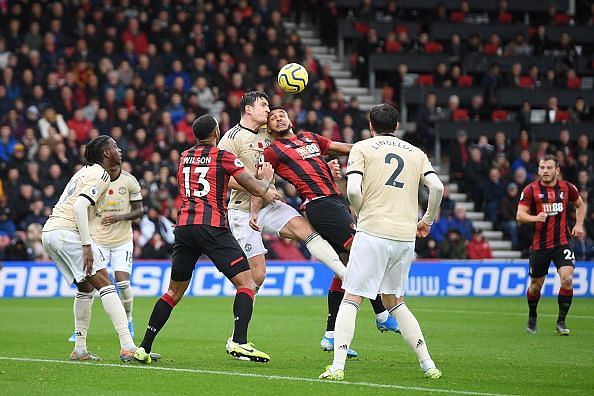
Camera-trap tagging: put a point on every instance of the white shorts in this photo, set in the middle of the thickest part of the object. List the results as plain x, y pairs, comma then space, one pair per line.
378, 265
271, 220
65, 249
117, 258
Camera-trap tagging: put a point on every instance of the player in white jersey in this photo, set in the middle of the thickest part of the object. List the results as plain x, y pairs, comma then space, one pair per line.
247, 140
112, 233
384, 174
66, 237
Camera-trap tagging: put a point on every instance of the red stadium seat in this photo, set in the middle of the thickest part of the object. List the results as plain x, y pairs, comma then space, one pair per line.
433, 48
561, 19
393, 47
465, 81
361, 27
562, 116
490, 49
500, 115
460, 115
505, 18
457, 16
401, 28
526, 82
425, 80
574, 83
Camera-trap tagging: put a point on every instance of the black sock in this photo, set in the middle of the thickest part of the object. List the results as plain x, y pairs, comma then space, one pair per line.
564, 300
378, 305
334, 300
532, 302
242, 309
159, 317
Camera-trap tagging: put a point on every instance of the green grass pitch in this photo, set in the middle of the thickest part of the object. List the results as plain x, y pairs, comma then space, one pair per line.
480, 344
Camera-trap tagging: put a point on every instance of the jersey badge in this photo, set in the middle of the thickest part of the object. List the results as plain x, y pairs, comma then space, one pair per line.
122, 190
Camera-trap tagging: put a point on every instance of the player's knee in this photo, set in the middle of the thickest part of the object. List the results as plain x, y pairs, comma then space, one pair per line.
258, 276
84, 287
297, 228
566, 282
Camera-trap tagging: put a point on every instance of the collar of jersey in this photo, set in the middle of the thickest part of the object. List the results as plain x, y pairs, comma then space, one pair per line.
251, 130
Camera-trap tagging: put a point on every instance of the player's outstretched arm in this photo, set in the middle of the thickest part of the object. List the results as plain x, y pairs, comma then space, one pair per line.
233, 184
254, 186
339, 148
435, 187
354, 193
136, 213
523, 216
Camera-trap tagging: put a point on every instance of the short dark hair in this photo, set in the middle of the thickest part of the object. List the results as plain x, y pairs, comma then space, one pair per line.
384, 118
94, 150
550, 157
204, 126
249, 98
272, 108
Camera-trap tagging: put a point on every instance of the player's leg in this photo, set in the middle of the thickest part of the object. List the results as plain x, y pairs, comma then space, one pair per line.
401, 255
83, 303
250, 242
565, 267
228, 257
121, 261
539, 262
187, 248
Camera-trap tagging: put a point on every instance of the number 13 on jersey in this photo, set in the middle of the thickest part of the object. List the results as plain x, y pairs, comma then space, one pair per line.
202, 181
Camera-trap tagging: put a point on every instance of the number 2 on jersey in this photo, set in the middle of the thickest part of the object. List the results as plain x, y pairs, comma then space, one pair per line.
202, 171
392, 182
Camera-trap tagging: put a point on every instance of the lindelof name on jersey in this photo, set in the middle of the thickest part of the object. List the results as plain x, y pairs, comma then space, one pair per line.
197, 160
390, 142
309, 151
552, 208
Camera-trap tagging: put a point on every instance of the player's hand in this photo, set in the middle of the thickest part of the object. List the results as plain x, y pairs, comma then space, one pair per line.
109, 220
541, 217
254, 222
87, 259
271, 196
266, 172
578, 232
423, 229
335, 169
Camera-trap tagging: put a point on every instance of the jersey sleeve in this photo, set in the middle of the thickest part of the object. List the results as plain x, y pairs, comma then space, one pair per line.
324, 143
356, 162
526, 198
94, 185
232, 165
426, 168
573, 192
134, 190
270, 156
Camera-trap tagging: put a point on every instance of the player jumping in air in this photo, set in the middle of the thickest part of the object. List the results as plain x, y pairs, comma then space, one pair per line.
545, 203
384, 174
202, 228
67, 239
298, 158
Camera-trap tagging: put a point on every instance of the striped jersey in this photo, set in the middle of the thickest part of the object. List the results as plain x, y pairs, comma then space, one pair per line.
299, 160
203, 177
90, 182
554, 200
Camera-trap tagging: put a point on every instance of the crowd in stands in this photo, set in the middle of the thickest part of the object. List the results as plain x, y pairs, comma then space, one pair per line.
143, 70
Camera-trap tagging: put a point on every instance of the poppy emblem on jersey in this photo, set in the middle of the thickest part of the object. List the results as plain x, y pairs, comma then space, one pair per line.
260, 145
110, 192
122, 190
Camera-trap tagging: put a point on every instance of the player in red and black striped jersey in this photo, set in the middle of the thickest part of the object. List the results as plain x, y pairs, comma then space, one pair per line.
203, 176
298, 158
546, 203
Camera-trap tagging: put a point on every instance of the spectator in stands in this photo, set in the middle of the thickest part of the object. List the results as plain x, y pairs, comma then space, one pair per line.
552, 110
513, 78
493, 192
550, 79
478, 248
426, 117
518, 46
583, 147
7, 143
33, 243
524, 161
461, 223
453, 246
455, 48
580, 112
507, 213
477, 111
487, 149
441, 77
475, 173
584, 162
52, 123
492, 81
427, 248
156, 248
447, 205
459, 156
502, 145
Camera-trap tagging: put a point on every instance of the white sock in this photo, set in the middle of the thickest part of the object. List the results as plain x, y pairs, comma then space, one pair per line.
382, 316
321, 249
83, 303
115, 310
344, 332
329, 334
127, 297
412, 334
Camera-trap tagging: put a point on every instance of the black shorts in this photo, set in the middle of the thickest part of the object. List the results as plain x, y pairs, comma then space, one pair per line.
332, 219
540, 260
191, 241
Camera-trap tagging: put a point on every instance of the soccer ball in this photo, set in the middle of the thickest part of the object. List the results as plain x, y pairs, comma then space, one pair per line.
293, 78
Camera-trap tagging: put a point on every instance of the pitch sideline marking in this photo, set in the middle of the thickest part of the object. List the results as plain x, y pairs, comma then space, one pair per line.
251, 375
